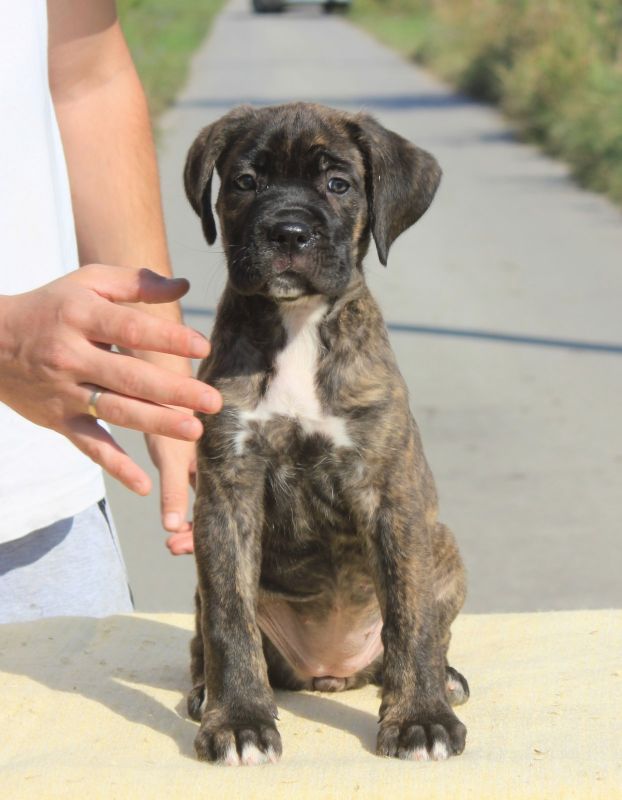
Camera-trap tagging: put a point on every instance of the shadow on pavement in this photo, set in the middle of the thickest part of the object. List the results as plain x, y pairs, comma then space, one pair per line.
474, 333
117, 661
100, 659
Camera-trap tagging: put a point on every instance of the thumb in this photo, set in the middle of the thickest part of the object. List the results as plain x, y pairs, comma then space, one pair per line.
128, 285
181, 543
173, 495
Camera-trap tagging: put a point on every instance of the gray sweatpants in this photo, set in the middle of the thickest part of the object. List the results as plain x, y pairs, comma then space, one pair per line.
71, 568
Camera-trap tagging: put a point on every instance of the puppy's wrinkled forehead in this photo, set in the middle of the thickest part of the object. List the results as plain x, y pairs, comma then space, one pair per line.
394, 178
290, 143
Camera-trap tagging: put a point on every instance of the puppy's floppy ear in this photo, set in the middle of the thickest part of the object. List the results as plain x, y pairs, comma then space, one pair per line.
401, 181
206, 150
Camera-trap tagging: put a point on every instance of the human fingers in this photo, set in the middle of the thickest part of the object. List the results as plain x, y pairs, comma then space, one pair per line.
100, 447
129, 285
133, 329
140, 415
181, 543
175, 461
136, 378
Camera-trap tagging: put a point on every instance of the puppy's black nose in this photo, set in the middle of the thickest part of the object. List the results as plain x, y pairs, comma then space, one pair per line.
291, 237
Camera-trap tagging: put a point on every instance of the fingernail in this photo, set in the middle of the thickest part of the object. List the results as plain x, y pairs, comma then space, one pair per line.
172, 521
199, 347
189, 429
211, 402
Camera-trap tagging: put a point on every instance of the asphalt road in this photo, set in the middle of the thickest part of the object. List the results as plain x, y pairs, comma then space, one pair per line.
504, 305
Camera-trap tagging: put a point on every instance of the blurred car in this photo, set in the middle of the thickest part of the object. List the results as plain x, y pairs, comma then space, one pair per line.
274, 6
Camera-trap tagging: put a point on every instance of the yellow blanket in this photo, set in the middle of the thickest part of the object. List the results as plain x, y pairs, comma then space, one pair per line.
95, 709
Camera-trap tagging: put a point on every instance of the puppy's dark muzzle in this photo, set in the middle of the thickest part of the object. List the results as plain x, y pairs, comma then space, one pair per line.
291, 246
291, 237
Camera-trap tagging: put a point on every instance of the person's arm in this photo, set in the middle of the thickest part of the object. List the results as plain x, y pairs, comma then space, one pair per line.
55, 348
106, 133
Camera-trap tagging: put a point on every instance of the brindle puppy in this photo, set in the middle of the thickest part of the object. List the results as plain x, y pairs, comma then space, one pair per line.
321, 563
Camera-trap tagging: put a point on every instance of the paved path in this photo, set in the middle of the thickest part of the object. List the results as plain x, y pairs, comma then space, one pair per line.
497, 301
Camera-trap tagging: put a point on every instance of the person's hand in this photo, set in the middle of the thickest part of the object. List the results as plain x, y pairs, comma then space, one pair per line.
182, 542
55, 349
177, 463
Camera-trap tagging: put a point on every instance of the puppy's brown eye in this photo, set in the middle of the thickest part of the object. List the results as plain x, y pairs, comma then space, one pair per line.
246, 183
338, 186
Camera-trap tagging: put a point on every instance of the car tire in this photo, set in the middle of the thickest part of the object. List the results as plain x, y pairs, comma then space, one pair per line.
267, 7
336, 8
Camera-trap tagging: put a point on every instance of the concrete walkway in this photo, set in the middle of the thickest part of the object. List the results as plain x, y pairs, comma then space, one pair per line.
504, 304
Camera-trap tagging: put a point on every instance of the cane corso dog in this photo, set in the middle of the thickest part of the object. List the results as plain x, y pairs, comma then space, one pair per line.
321, 562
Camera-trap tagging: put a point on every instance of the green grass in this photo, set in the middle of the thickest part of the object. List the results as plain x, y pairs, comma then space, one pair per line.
554, 66
162, 36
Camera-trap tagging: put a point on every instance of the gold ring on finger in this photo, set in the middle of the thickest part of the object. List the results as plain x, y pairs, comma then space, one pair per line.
92, 406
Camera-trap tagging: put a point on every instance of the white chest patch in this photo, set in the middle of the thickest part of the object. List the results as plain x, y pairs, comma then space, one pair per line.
292, 391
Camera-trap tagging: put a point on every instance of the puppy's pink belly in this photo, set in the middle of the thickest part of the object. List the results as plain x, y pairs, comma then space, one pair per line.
339, 644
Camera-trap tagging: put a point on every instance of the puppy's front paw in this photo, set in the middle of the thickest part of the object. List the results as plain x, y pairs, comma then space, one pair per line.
244, 739
421, 736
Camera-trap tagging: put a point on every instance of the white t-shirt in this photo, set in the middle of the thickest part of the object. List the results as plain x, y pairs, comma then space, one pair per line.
43, 477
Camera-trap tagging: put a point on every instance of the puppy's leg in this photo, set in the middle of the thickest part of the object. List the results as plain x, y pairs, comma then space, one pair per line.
237, 726
416, 721
449, 593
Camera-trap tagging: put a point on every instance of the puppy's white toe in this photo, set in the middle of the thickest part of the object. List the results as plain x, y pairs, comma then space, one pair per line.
420, 754
231, 758
439, 751
252, 755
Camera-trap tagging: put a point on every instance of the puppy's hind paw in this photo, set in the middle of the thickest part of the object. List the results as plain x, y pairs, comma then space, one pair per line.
456, 687
196, 702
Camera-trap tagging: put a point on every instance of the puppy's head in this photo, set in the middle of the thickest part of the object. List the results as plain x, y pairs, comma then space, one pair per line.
302, 188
